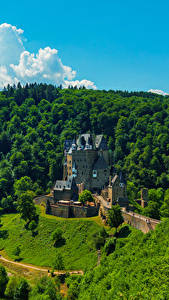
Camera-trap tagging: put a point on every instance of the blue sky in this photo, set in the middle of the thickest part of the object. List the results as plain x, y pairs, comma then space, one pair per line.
115, 44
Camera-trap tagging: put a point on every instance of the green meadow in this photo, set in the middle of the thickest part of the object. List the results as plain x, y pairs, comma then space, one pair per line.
77, 249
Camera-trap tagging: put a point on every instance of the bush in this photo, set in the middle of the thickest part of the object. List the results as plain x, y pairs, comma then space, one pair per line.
114, 216
99, 238
86, 196
22, 290
11, 287
109, 246
3, 280
58, 263
45, 289
17, 251
57, 236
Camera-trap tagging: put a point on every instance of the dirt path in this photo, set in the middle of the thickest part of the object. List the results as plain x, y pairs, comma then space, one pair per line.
79, 272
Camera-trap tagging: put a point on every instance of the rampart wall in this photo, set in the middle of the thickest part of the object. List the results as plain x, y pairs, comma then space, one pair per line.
72, 211
59, 211
43, 198
145, 224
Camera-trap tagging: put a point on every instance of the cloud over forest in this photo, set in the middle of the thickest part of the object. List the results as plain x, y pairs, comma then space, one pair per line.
19, 65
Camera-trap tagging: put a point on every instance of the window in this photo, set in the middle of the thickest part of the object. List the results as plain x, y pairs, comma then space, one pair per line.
94, 173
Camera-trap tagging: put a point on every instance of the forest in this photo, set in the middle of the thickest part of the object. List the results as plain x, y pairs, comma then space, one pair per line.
37, 118
34, 122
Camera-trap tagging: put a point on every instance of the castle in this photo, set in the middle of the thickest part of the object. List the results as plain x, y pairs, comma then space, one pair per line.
87, 165
88, 160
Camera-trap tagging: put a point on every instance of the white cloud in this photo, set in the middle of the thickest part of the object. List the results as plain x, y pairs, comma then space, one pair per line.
87, 83
11, 44
17, 64
42, 67
5, 78
159, 92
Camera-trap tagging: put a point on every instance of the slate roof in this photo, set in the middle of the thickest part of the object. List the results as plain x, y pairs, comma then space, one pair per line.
86, 137
98, 140
61, 185
100, 164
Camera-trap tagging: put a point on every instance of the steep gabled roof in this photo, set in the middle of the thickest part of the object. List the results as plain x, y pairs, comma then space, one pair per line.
98, 140
100, 164
86, 137
64, 184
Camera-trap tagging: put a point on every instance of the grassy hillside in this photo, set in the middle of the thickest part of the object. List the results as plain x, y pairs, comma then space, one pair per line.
77, 252
138, 269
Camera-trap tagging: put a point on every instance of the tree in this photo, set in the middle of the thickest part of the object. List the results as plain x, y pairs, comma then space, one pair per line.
45, 289
86, 196
109, 246
17, 251
57, 236
26, 207
3, 280
11, 287
22, 290
164, 210
22, 185
58, 263
32, 226
152, 210
99, 238
114, 216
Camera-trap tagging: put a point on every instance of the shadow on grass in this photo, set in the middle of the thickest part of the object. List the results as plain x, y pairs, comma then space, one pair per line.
124, 232
34, 233
60, 243
4, 234
18, 259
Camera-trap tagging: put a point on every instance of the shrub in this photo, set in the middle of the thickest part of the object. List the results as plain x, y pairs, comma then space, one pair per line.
109, 246
22, 290
99, 238
114, 216
3, 280
86, 196
57, 236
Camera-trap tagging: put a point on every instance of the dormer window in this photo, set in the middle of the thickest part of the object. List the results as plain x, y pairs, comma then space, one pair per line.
94, 173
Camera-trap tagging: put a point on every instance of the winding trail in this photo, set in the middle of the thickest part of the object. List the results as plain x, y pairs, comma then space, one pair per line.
79, 272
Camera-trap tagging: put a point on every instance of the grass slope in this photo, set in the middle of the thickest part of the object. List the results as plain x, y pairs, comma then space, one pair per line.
77, 252
138, 269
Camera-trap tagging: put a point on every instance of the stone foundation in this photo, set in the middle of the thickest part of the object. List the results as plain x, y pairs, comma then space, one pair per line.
72, 211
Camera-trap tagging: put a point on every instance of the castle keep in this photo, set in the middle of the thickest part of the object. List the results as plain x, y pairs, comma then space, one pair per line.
87, 165
88, 160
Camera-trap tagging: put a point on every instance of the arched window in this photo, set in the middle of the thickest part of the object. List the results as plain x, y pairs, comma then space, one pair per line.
94, 173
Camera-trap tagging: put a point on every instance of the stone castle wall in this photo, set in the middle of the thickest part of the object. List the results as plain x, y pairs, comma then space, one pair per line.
140, 222
43, 199
72, 211
117, 191
59, 211
84, 161
62, 195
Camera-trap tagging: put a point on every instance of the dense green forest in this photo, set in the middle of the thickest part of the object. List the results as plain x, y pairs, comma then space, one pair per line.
34, 122
36, 119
